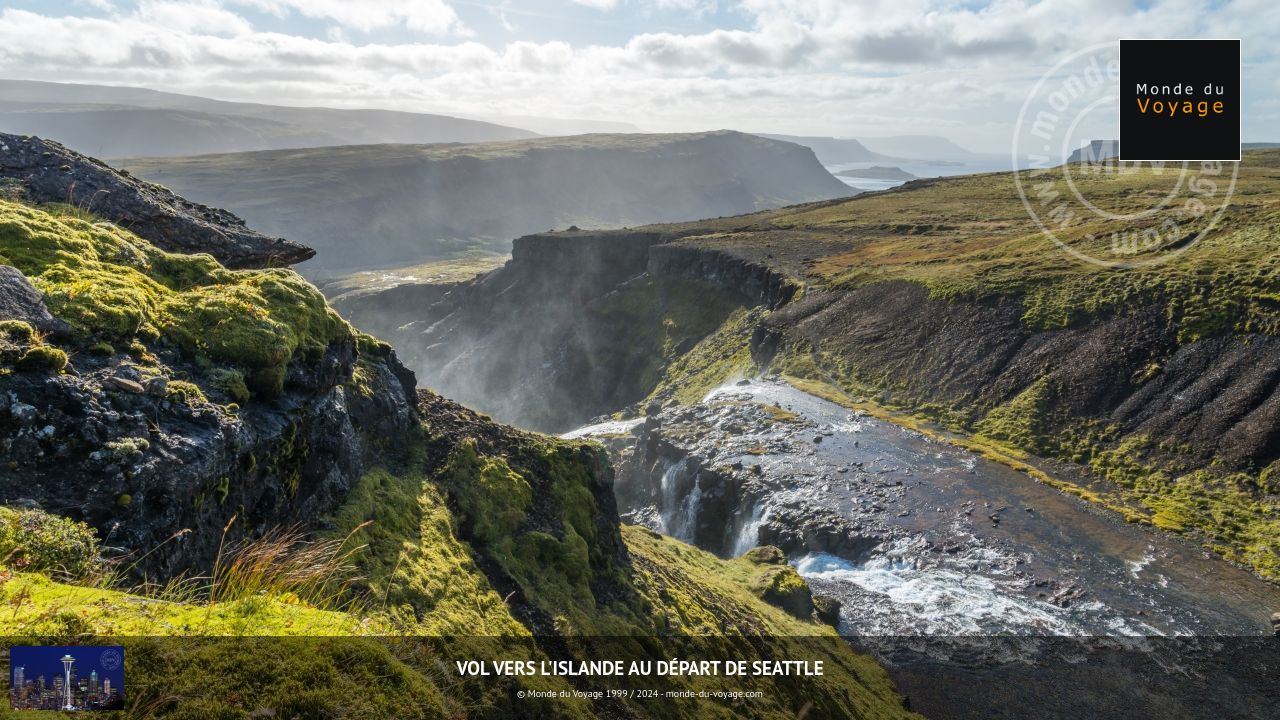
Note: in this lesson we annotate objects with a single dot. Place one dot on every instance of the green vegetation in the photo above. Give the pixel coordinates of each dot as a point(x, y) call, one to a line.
point(42, 358)
point(186, 392)
point(719, 357)
point(969, 238)
point(113, 286)
point(17, 332)
point(650, 324)
point(480, 531)
point(39, 542)
point(414, 567)
point(418, 576)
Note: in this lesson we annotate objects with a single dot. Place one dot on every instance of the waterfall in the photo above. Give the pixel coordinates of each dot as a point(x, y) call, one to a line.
point(689, 526)
point(670, 492)
point(749, 534)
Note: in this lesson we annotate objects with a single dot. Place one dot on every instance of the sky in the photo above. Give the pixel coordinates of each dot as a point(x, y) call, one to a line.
point(807, 67)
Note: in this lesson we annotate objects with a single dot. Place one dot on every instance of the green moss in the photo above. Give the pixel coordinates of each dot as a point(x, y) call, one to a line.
point(18, 331)
point(1023, 420)
point(783, 587)
point(231, 382)
point(110, 612)
point(414, 564)
point(490, 496)
point(185, 392)
point(102, 349)
point(128, 447)
point(111, 285)
point(42, 358)
point(719, 357)
point(34, 540)
point(370, 345)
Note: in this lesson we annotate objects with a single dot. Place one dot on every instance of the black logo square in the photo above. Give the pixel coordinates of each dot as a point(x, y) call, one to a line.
point(1180, 100)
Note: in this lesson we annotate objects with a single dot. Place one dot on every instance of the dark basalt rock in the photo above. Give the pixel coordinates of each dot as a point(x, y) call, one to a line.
point(44, 171)
point(79, 445)
point(20, 300)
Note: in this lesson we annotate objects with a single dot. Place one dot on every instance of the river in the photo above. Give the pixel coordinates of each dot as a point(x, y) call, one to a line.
point(932, 541)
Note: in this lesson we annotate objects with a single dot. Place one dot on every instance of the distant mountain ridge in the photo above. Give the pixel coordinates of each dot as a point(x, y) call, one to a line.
point(921, 147)
point(830, 150)
point(379, 206)
point(108, 121)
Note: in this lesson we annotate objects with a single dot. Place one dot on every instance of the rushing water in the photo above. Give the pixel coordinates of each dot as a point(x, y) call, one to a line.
point(975, 548)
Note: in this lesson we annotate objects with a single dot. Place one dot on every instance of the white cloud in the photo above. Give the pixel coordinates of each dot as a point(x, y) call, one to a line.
point(426, 16)
point(192, 16)
point(597, 4)
point(800, 66)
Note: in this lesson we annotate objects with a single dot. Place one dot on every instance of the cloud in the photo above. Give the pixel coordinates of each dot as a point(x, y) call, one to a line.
point(801, 66)
point(597, 4)
point(192, 16)
point(426, 16)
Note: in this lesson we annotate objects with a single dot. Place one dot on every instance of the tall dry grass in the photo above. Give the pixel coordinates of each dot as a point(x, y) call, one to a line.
point(283, 562)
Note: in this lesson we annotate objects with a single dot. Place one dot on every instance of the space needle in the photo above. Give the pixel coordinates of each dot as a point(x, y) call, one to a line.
point(67, 662)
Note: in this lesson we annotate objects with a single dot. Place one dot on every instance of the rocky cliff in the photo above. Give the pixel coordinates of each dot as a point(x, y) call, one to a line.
point(148, 393)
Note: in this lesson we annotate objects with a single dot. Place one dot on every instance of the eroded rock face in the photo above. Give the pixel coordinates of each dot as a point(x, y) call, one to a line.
point(42, 171)
point(117, 446)
point(1214, 399)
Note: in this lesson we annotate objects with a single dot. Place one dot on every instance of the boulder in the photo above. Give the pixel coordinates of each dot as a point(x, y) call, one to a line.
point(20, 300)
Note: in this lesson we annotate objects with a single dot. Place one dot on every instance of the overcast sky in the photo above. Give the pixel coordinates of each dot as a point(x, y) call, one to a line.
point(823, 67)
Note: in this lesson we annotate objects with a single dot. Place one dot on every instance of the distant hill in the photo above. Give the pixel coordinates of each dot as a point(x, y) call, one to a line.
point(879, 172)
point(831, 151)
point(1096, 151)
point(920, 147)
point(110, 121)
point(379, 206)
point(557, 127)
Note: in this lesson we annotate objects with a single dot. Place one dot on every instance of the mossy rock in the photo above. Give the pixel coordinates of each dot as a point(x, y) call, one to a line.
point(184, 391)
point(784, 588)
point(230, 382)
point(112, 286)
point(17, 331)
point(42, 358)
point(766, 555)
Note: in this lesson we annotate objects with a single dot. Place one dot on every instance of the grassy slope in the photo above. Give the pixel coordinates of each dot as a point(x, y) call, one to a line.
point(485, 531)
point(969, 238)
